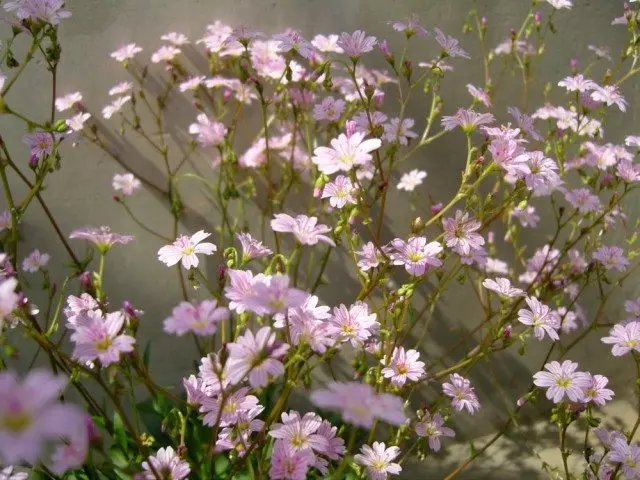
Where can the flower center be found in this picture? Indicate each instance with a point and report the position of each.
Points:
(298, 441)
(415, 256)
(379, 465)
(16, 420)
(563, 382)
(188, 250)
(103, 345)
(230, 407)
(402, 368)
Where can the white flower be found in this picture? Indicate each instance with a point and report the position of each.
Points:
(76, 123)
(66, 102)
(184, 250)
(126, 183)
(409, 181)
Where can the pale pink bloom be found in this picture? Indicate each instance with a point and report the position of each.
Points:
(339, 192)
(416, 255)
(201, 319)
(507, 46)
(257, 356)
(577, 83)
(362, 123)
(244, 34)
(213, 375)
(403, 366)
(5, 220)
(299, 433)
(354, 324)
(626, 456)
(525, 122)
(239, 289)
(48, 11)
(210, 133)
(480, 95)
(167, 464)
(305, 229)
(378, 459)
(502, 286)
(609, 94)
(628, 171)
(369, 405)
(510, 156)
(115, 106)
(432, 427)
(255, 155)
(165, 53)
(327, 43)
(543, 178)
(398, 130)
(77, 308)
(271, 294)
(334, 449)
(35, 261)
(370, 257)
(126, 53)
(293, 40)
(175, 38)
(287, 464)
(76, 123)
(308, 323)
(68, 101)
(562, 379)
(541, 317)
(7, 473)
(468, 120)
(461, 393)
(71, 453)
(558, 4)
(237, 437)
(356, 43)
(410, 27)
(460, 233)
(329, 109)
(126, 183)
(632, 141)
(611, 257)
(583, 200)
(438, 65)
(633, 307)
(577, 262)
(495, 265)
(185, 250)
(31, 415)
(100, 338)
(266, 59)
(252, 248)
(596, 390)
(8, 298)
(624, 338)
(192, 84)
(120, 89)
(195, 390)
(527, 216)
(409, 181)
(102, 237)
(450, 45)
(345, 153)
(227, 409)
(568, 320)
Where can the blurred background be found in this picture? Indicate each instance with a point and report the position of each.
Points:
(81, 193)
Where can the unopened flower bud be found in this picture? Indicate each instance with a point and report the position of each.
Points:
(574, 64)
(369, 90)
(33, 161)
(85, 279)
(350, 128)
(222, 271)
(491, 237)
(317, 192)
(435, 209)
(537, 18)
(115, 198)
(378, 98)
(506, 332)
(521, 401)
(417, 225)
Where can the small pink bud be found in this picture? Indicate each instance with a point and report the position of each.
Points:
(222, 271)
(607, 178)
(378, 98)
(491, 237)
(484, 21)
(115, 198)
(574, 64)
(506, 332)
(33, 161)
(129, 309)
(435, 209)
(92, 431)
(350, 128)
(537, 18)
(521, 401)
(480, 160)
(85, 279)
(317, 192)
(384, 48)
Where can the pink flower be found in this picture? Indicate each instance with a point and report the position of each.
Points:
(410, 27)
(527, 216)
(213, 375)
(596, 392)
(192, 84)
(120, 89)
(126, 183)
(175, 38)
(115, 106)
(167, 464)
(271, 294)
(252, 248)
(227, 409)
(558, 4)
(299, 434)
(416, 255)
(461, 393)
(541, 317)
(624, 338)
(339, 192)
(76, 123)
(35, 261)
(334, 448)
(100, 338)
(632, 141)
(502, 286)
(356, 43)
(459, 233)
(293, 40)
(304, 228)
(195, 390)
(611, 257)
(479, 95)
(409, 181)
(126, 53)
(237, 437)
(48, 11)
(370, 257)
(561, 380)
(210, 133)
(450, 45)
(287, 464)
(404, 365)
(525, 122)
(71, 453)
(165, 53)
(433, 428)
(510, 156)
(583, 200)
(7, 473)
(239, 290)
(370, 405)
(77, 308)
(102, 237)
(543, 177)
(627, 456)
(468, 120)
(256, 356)
(345, 153)
(378, 459)
(399, 130)
(577, 83)
(354, 324)
(185, 250)
(329, 109)
(363, 125)
(609, 94)
(201, 319)
(68, 101)
(30, 415)
(327, 43)
(308, 323)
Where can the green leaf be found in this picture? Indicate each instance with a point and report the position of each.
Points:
(146, 355)
(221, 466)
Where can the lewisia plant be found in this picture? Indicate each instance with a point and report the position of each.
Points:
(306, 152)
